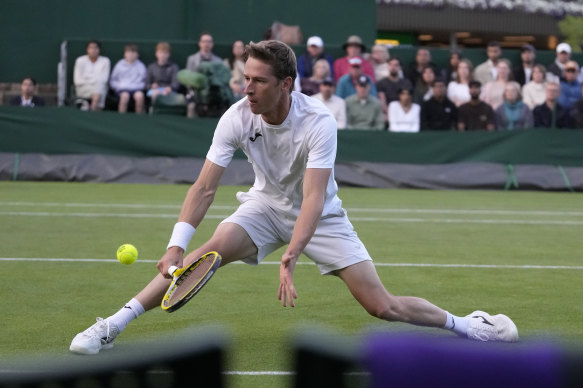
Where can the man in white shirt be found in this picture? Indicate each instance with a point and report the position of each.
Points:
(336, 104)
(487, 71)
(290, 139)
(90, 76)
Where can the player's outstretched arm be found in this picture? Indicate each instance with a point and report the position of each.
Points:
(199, 198)
(314, 193)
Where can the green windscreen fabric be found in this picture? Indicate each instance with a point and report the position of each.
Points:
(69, 131)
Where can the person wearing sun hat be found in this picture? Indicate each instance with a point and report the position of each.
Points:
(354, 49)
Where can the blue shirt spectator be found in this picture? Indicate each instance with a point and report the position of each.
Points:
(346, 84)
(570, 87)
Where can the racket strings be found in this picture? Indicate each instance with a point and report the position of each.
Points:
(190, 279)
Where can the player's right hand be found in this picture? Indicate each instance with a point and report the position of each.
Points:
(173, 256)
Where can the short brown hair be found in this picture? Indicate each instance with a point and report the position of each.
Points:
(164, 46)
(277, 54)
(130, 47)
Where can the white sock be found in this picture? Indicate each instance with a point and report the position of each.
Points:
(126, 314)
(458, 325)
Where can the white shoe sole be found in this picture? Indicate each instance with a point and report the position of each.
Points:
(89, 352)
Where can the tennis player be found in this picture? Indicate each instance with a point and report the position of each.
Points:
(290, 139)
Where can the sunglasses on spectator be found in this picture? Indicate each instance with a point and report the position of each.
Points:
(573, 70)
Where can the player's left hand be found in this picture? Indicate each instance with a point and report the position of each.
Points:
(287, 291)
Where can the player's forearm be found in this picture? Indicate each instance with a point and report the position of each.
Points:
(196, 204)
(306, 223)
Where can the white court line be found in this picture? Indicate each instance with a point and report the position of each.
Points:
(356, 219)
(378, 264)
(350, 209)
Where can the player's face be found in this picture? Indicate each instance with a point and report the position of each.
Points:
(264, 91)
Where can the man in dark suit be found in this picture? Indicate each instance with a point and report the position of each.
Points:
(523, 72)
(27, 97)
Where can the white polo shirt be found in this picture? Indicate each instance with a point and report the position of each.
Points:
(280, 154)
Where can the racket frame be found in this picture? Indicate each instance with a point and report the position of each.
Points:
(180, 274)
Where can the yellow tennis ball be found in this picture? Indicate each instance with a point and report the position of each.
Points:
(127, 254)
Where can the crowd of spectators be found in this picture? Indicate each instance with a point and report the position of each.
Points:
(493, 95)
(363, 90)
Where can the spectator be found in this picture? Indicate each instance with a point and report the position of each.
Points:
(523, 73)
(493, 92)
(314, 52)
(90, 76)
(334, 103)
(204, 54)
(379, 58)
(416, 68)
(346, 86)
(161, 75)
(475, 114)
(388, 88)
(311, 86)
(577, 114)
(551, 114)
(570, 87)
(556, 70)
(423, 88)
(364, 111)
(128, 79)
(236, 64)
(27, 97)
(533, 93)
(450, 71)
(513, 113)
(354, 49)
(404, 114)
(438, 112)
(488, 71)
(458, 90)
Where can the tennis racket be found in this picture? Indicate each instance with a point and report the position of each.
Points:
(189, 280)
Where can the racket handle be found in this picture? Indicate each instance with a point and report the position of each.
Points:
(172, 269)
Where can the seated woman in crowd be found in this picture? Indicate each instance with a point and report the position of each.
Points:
(311, 86)
(449, 73)
(513, 113)
(533, 92)
(423, 90)
(404, 113)
(458, 90)
(236, 64)
(379, 58)
(493, 91)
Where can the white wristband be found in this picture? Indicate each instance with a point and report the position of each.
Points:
(181, 235)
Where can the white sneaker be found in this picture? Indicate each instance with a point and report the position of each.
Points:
(484, 327)
(99, 336)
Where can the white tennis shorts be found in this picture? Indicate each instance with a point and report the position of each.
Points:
(335, 244)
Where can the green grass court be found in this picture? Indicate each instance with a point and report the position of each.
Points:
(517, 253)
